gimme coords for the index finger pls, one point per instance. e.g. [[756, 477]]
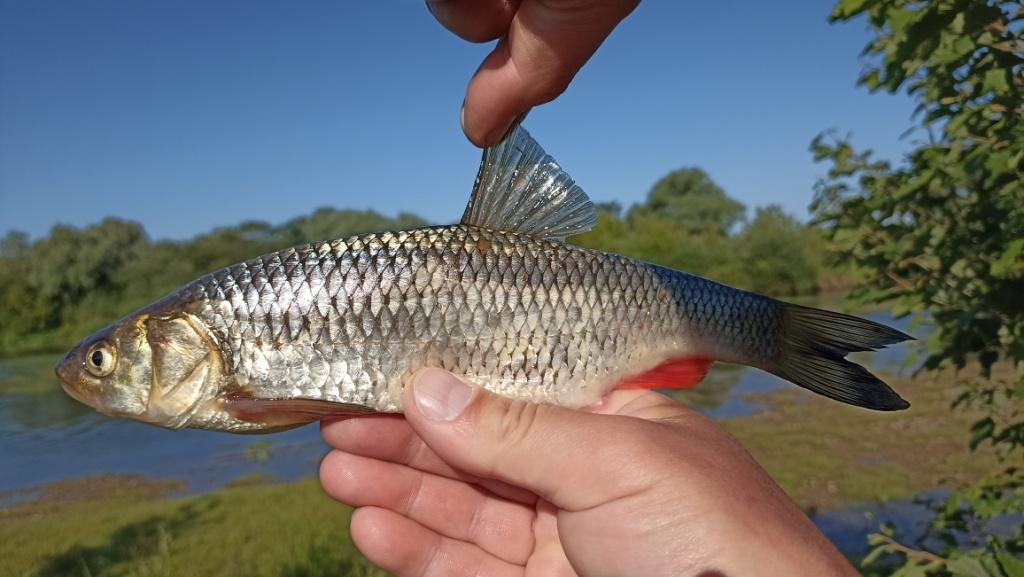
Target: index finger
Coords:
[[546, 45], [475, 20]]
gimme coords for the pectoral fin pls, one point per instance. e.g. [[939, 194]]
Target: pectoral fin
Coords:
[[521, 189], [287, 412]]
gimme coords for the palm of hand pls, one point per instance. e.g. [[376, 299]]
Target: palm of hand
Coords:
[[420, 517]]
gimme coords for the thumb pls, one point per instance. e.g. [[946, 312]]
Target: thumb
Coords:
[[573, 459]]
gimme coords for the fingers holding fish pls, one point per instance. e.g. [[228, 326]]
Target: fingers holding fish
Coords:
[[522, 443], [405, 548], [451, 508], [386, 438], [548, 557], [390, 438]]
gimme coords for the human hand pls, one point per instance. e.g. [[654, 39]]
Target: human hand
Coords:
[[471, 483], [543, 45]]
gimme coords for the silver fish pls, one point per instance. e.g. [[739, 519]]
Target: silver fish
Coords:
[[339, 327]]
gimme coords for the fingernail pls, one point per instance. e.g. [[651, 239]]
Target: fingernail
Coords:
[[440, 395]]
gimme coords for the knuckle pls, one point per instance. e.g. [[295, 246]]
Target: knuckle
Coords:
[[549, 87], [517, 422]]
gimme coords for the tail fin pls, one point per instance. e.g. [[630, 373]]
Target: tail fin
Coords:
[[815, 343]]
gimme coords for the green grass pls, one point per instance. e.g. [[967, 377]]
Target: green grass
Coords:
[[285, 530], [826, 455]]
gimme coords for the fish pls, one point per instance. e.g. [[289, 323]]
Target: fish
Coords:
[[339, 328]]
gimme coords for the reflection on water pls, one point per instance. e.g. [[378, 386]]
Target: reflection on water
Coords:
[[739, 383], [49, 410], [909, 519], [848, 526]]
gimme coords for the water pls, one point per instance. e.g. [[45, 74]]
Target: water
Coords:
[[848, 527], [45, 437]]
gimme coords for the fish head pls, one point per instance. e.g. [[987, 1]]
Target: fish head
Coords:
[[155, 367]]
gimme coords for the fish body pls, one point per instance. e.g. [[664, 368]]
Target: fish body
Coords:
[[339, 327]]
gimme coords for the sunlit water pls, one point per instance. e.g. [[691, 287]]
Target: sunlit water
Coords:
[[46, 436]]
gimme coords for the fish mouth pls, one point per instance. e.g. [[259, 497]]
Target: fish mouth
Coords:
[[66, 369], [77, 394], [74, 394]]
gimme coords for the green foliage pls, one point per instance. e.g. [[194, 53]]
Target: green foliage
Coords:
[[56, 290], [693, 202], [943, 233], [688, 223], [778, 253]]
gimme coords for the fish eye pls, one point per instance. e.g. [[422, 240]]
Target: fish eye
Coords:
[[99, 360]]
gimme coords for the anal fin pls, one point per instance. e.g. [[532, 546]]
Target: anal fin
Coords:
[[287, 412], [679, 373]]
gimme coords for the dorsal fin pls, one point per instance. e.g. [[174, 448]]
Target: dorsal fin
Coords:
[[521, 189]]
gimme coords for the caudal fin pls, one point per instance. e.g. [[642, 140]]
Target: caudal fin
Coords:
[[815, 344]]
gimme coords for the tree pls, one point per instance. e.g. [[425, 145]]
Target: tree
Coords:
[[56, 290], [775, 254], [690, 199], [14, 245], [689, 223], [71, 262], [943, 233], [329, 224]]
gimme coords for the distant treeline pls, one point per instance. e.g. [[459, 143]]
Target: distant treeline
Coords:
[[57, 289], [689, 223]]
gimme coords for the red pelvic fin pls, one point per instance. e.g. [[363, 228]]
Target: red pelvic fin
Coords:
[[286, 412], [681, 373]]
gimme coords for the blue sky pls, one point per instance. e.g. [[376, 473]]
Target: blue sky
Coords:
[[189, 115]]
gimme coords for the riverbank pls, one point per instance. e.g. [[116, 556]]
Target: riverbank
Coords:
[[127, 528], [827, 455]]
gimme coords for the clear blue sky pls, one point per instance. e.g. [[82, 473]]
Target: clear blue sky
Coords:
[[189, 115]]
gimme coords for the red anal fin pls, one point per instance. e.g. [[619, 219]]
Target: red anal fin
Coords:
[[681, 373], [285, 412]]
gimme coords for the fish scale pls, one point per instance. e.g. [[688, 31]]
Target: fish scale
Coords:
[[340, 327], [553, 341]]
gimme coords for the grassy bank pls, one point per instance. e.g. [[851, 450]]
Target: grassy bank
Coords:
[[827, 455], [123, 529]]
